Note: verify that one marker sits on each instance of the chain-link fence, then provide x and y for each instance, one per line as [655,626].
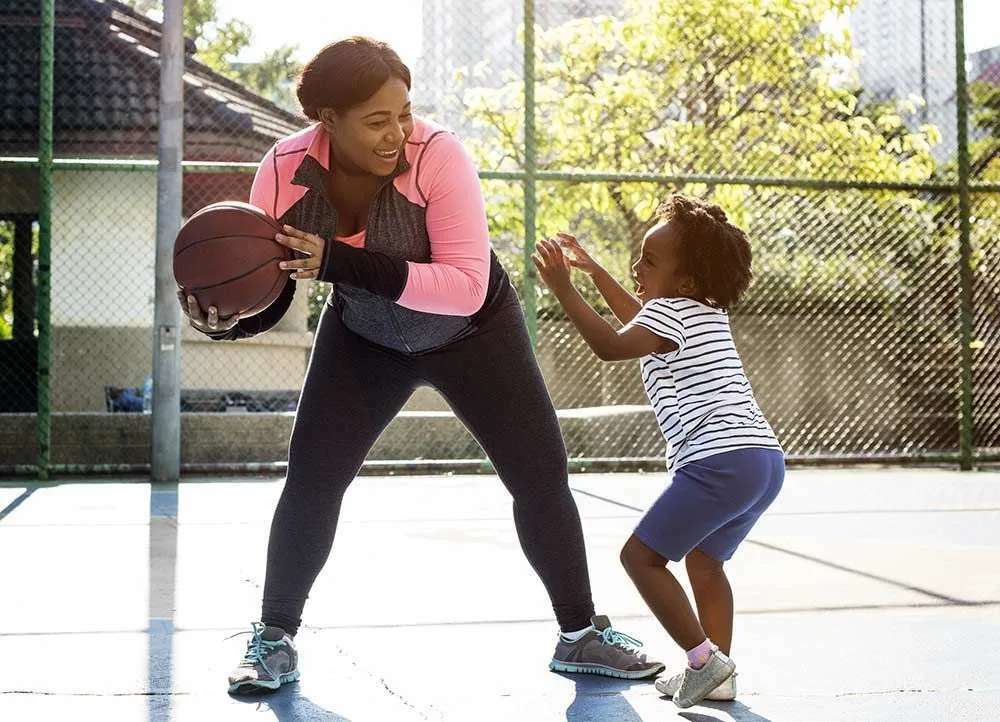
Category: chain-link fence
[828,129]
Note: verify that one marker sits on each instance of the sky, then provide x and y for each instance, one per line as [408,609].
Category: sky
[313,23]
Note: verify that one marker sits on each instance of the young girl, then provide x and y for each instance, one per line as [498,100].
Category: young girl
[726,464]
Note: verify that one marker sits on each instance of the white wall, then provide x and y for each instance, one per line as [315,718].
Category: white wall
[103,248]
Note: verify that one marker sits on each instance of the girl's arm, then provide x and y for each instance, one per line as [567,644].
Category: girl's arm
[622,303]
[606,342]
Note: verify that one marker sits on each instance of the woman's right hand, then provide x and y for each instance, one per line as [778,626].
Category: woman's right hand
[578,257]
[206,323]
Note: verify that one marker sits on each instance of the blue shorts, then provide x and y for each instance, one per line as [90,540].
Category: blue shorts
[711,504]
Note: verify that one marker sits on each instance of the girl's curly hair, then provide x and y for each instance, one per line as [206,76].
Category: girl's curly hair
[714,252]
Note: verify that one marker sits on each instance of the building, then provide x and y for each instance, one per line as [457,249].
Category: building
[106,105]
[460,36]
[907,48]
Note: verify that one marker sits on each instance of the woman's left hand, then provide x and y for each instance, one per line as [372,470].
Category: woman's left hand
[553,265]
[308,243]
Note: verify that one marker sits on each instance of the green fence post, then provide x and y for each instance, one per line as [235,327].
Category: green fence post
[965,244]
[530,306]
[43,305]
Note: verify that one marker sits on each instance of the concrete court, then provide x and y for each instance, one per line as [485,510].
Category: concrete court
[864,594]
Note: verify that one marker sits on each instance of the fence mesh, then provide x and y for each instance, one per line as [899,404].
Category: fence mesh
[826,128]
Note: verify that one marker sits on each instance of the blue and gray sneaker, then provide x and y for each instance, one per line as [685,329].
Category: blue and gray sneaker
[269,662]
[604,651]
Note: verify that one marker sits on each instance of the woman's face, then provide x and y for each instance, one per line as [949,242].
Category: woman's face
[369,138]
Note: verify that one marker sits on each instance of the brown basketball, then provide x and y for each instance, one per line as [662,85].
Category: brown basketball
[226,256]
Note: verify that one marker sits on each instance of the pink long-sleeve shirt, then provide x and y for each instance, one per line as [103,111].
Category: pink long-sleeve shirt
[440,186]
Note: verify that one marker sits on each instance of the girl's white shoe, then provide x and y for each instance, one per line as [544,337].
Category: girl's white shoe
[725,692]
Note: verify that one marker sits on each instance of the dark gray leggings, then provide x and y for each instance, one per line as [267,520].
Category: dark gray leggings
[354,388]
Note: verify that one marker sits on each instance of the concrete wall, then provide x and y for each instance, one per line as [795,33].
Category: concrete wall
[85,360]
[825,385]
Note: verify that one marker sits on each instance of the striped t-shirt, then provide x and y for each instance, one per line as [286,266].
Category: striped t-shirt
[700,392]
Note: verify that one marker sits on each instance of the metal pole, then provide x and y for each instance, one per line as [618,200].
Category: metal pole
[44,300]
[923,59]
[965,244]
[166,432]
[530,306]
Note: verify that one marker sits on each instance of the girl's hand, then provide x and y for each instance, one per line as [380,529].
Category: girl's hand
[552,265]
[579,257]
[308,243]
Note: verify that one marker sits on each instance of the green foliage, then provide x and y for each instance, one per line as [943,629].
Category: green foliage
[727,87]
[984,151]
[6,280]
[220,43]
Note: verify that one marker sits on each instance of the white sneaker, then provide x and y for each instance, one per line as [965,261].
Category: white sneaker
[725,692]
[696,684]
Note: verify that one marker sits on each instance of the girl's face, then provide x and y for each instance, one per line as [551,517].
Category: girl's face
[657,273]
[370,138]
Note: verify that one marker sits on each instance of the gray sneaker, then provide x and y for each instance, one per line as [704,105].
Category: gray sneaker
[604,651]
[725,692]
[269,662]
[698,683]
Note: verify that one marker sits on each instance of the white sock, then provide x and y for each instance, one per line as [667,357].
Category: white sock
[577,635]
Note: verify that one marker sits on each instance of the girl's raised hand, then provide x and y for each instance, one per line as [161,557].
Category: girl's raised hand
[578,256]
[552,265]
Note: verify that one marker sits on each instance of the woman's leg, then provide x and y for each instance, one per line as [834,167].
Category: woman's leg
[494,385]
[351,392]
[662,593]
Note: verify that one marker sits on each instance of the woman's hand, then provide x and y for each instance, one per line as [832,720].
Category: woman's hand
[308,243]
[552,265]
[580,258]
[206,323]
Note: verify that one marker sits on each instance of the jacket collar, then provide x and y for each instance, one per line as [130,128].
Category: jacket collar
[314,169]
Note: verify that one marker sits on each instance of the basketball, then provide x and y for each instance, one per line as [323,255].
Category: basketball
[225,256]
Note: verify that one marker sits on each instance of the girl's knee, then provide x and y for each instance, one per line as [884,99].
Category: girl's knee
[700,566]
[635,556]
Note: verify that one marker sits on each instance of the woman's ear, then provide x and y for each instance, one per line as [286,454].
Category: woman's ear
[328,117]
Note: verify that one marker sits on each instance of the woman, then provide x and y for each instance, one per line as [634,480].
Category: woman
[388,208]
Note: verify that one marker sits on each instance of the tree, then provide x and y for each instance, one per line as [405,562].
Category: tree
[729,87]
[984,102]
[220,43]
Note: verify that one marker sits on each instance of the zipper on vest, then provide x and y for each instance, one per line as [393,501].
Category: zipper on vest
[390,309]
[395,323]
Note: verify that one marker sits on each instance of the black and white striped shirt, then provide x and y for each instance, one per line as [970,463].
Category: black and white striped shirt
[700,392]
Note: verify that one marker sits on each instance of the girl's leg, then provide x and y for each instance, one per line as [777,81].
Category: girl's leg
[662,593]
[713,596]
[351,393]
[492,382]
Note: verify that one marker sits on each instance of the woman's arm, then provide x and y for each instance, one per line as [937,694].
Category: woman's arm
[263,194]
[456,279]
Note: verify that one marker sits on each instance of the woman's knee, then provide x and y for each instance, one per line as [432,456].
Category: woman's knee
[636,556]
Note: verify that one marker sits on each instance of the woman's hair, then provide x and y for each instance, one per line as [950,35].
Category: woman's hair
[346,73]
[714,252]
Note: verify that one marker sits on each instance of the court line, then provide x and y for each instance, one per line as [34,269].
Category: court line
[16,503]
[818,560]
[507,622]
